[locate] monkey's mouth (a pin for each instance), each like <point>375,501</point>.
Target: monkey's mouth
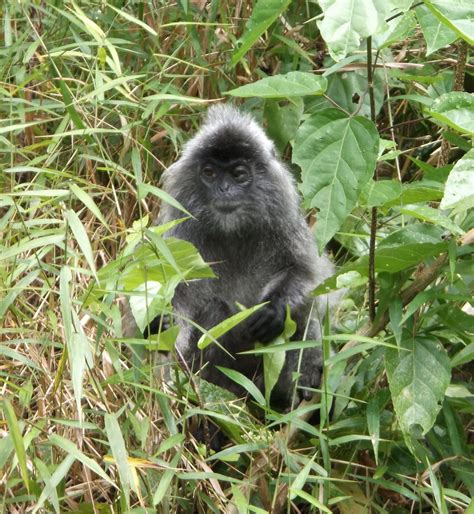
<point>226,207</point>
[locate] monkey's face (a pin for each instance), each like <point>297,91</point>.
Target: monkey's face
<point>227,187</point>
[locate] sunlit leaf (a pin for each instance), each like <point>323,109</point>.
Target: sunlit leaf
<point>457,15</point>
<point>337,155</point>
<point>437,34</point>
<point>292,84</point>
<point>459,191</point>
<point>418,374</point>
<point>456,109</point>
<point>347,22</point>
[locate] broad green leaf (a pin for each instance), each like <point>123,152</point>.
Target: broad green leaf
<point>147,303</point>
<point>14,431</point>
<point>350,279</point>
<point>455,14</point>
<point>402,249</point>
<point>164,341</point>
<point>437,35</point>
<point>418,375</point>
<point>80,234</point>
<point>283,121</point>
<point>292,84</point>
<point>398,29</point>
<point>456,109</point>
<point>459,190</point>
<point>226,325</point>
<point>425,213</point>
<point>245,382</point>
<point>418,192</point>
<point>463,356</point>
<point>346,22</point>
<point>337,155</point>
<point>378,193</point>
<point>148,266</point>
<point>343,86</point>
<point>264,13</point>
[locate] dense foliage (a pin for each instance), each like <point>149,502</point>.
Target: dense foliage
<point>370,103</point>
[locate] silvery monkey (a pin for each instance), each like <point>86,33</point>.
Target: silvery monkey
<point>248,224</point>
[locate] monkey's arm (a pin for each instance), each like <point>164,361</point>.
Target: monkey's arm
<point>289,288</point>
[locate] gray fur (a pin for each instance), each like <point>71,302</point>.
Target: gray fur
<point>262,250</point>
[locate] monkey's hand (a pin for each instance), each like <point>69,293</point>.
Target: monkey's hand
<point>310,370</point>
<point>268,322</point>
<point>159,324</point>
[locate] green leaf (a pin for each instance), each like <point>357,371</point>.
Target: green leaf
<point>17,438</point>
<point>50,490</point>
<point>70,448</point>
<point>273,362</point>
<point>374,411</point>
<point>398,29</point>
<point>337,155</point>
<point>437,35</point>
<point>263,15</point>
<point>226,325</point>
<point>283,121</point>
<point>87,200</point>
<point>79,354</point>
<point>418,375</point>
<point>143,189</point>
<point>400,250</point>
<point>455,14</point>
<point>292,84</point>
<point>27,244</point>
<point>80,234</point>
<point>425,213</point>
<point>378,193</point>
<point>456,109</point>
<point>119,451</point>
<point>165,480</point>
<point>346,22</point>
<point>245,382</point>
<point>459,190</point>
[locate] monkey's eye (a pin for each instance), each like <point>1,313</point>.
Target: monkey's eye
<point>209,172</point>
<point>240,174</point>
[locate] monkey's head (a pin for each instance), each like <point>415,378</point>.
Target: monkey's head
<point>229,177</point>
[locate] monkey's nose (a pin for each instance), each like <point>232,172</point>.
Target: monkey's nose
<point>224,188</point>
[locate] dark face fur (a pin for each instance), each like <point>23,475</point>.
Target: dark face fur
<point>228,175</point>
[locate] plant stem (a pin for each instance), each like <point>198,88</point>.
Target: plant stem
<point>373,214</point>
